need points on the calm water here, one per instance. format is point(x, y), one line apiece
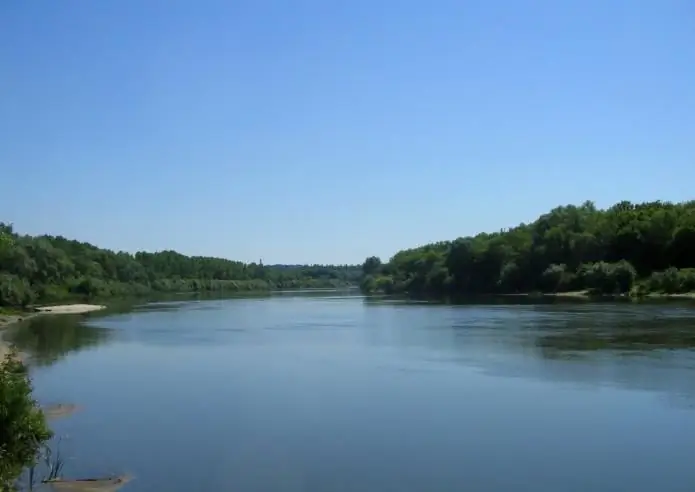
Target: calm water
point(320, 393)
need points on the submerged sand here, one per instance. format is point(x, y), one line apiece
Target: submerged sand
point(95, 484)
point(59, 410)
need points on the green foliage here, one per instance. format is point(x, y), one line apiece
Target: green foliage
point(672, 281)
point(368, 284)
point(371, 265)
point(23, 428)
point(50, 268)
point(607, 278)
point(556, 278)
point(15, 291)
point(569, 248)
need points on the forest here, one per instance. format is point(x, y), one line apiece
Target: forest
point(635, 249)
point(41, 269)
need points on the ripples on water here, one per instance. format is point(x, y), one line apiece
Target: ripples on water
point(336, 393)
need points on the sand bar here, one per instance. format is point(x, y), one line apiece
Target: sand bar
point(10, 319)
point(70, 308)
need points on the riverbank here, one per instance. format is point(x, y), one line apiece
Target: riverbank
point(588, 295)
point(579, 294)
point(687, 295)
point(59, 410)
point(9, 318)
point(70, 309)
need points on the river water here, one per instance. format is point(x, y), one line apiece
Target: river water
point(336, 393)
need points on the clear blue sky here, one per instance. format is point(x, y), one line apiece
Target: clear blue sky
point(326, 131)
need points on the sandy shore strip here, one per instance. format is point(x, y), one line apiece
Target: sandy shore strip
point(70, 308)
point(577, 294)
point(10, 319)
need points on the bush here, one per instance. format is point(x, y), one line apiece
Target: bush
point(672, 281)
point(556, 278)
point(368, 284)
point(15, 291)
point(23, 427)
point(384, 284)
point(608, 278)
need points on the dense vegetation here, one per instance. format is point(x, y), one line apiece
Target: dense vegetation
point(23, 428)
point(49, 268)
point(636, 248)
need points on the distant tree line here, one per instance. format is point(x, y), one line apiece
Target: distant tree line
point(37, 269)
point(627, 248)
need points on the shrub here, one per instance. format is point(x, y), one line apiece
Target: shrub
point(672, 281)
point(15, 291)
point(556, 278)
point(608, 278)
point(23, 427)
point(368, 284)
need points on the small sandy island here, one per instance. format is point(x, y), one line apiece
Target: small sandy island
point(70, 308)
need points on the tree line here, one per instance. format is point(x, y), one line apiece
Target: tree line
point(36, 269)
point(627, 248)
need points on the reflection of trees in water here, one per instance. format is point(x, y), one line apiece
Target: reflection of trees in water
point(640, 329)
point(643, 347)
point(629, 341)
point(638, 347)
point(46, 339)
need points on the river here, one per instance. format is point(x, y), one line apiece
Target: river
point(334, 393)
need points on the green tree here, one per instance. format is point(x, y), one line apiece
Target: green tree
point(570, 247)
point(23, 428)
point(48, 268)
point(371, 266)
point(556, 278)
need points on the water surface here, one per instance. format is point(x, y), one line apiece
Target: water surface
point(336, 393)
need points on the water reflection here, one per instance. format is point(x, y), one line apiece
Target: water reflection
point(645, 347)
point(47, 339)
point(316, 393)
point(641, 330)
point(632, 339)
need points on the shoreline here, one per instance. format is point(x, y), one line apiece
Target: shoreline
point(60, 410)
point(69, 309)
point(586, 295)
point(687, 295)
point(8, 320)
point(578, 294)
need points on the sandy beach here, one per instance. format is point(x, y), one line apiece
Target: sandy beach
point(70, 308)
point(10, 319)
